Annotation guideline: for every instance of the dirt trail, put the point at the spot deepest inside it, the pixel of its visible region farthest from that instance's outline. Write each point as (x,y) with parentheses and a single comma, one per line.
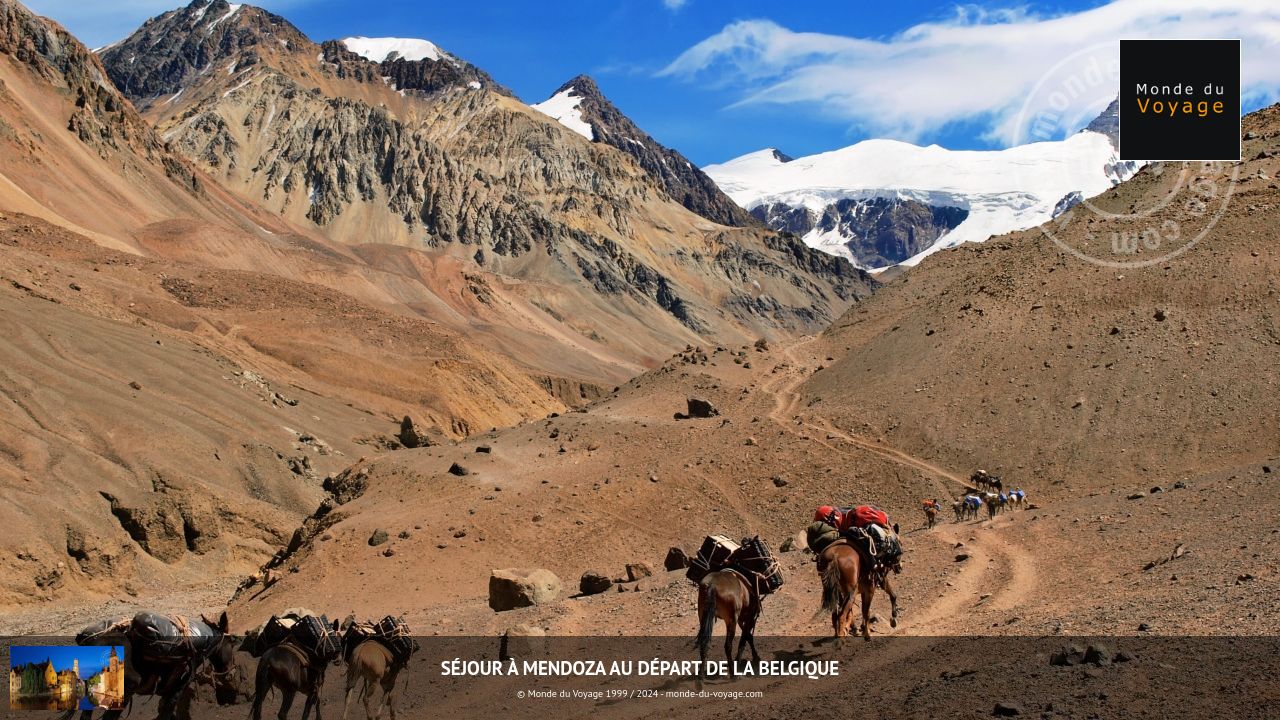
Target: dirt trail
(997,566)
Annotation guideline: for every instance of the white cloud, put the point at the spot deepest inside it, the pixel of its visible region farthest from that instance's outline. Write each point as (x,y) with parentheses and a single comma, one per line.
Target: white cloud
(674,5)
(980,66)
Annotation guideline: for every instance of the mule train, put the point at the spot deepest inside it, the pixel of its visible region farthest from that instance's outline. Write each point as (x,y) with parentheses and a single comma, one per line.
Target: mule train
(975,500)
(856,550)
(169,655)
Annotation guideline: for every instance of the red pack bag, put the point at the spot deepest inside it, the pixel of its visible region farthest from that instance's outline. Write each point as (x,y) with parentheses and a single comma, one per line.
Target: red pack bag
(865,515)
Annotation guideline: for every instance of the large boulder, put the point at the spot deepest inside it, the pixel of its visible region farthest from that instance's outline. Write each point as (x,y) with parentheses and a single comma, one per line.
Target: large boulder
(512,588)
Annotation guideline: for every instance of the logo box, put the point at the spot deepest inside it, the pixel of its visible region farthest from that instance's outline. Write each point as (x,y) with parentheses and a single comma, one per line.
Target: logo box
(1180,100)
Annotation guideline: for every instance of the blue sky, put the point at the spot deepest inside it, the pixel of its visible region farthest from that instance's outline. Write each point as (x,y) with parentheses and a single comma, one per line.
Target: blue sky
(717,79)
(92,659)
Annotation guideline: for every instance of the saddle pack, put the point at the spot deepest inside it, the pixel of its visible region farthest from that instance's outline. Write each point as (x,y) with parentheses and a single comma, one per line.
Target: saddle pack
(820,535)
(317,637)
(712,556)
(754,560)
(393,632)
(166,639)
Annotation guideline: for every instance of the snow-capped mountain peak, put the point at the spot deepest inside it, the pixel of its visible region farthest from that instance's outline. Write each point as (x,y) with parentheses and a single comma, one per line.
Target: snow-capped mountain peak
(564,107)
(389,48)
(887,202)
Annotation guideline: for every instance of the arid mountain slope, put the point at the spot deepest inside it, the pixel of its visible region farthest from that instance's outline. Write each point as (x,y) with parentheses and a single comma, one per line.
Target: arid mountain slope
(1127,435)
(1020,358)
(331,141)
(77,154)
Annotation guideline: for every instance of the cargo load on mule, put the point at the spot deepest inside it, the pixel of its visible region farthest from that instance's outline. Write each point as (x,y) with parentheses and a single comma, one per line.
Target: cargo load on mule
(819,535)
(394,633)
(865,527)
(391,632)
(751,559)
(317,637)
(166,639)
(755,561)
(712,556)
(274,631)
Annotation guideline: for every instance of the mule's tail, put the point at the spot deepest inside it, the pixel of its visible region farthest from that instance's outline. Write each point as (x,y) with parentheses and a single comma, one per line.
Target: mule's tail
(707,623)
(833,595)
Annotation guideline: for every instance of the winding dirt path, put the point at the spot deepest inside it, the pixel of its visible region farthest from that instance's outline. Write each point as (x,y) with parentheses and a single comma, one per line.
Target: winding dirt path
(997,567)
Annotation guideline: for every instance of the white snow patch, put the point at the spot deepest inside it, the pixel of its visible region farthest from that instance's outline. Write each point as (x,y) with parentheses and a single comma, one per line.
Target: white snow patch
(175,96)
(380,49)
(235,8)
(242,84)
(474,85)
(231,69)
(1003,190)
(563,106)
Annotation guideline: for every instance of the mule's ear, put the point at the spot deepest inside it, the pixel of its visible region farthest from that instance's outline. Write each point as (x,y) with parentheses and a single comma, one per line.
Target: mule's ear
(895,528)
(224,624)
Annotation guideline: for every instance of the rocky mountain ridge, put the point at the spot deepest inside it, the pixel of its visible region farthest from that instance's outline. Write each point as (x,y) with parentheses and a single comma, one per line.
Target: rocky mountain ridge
(681,179)
(576,233)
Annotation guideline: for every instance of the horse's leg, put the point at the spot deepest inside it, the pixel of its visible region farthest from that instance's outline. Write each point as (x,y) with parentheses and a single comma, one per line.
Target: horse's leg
(866,588)
(286,700)
(749,633)
(730,629)
(893,602)
(353,677)
(388,694)
(369,712)
(313,703)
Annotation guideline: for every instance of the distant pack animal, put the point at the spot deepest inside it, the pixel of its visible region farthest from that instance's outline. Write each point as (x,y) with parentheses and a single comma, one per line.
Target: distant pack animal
(930,513)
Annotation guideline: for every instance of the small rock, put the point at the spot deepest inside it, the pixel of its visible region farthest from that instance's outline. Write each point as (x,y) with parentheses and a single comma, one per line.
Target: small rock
(1160,315)
(1143,627)
(135,385)
(1156,489)
(779,481)
(1137,496)
(389,552)
(961,557)
(456,469)
(1097,654)
(699,408)
(484,449)
(749,441)
(378,537)
(1003,709)
(594,583)
(635,571)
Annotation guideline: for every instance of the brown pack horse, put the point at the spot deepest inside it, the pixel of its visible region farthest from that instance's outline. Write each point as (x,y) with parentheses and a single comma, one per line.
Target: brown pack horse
(373,664)
(845,572)
(725,595)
